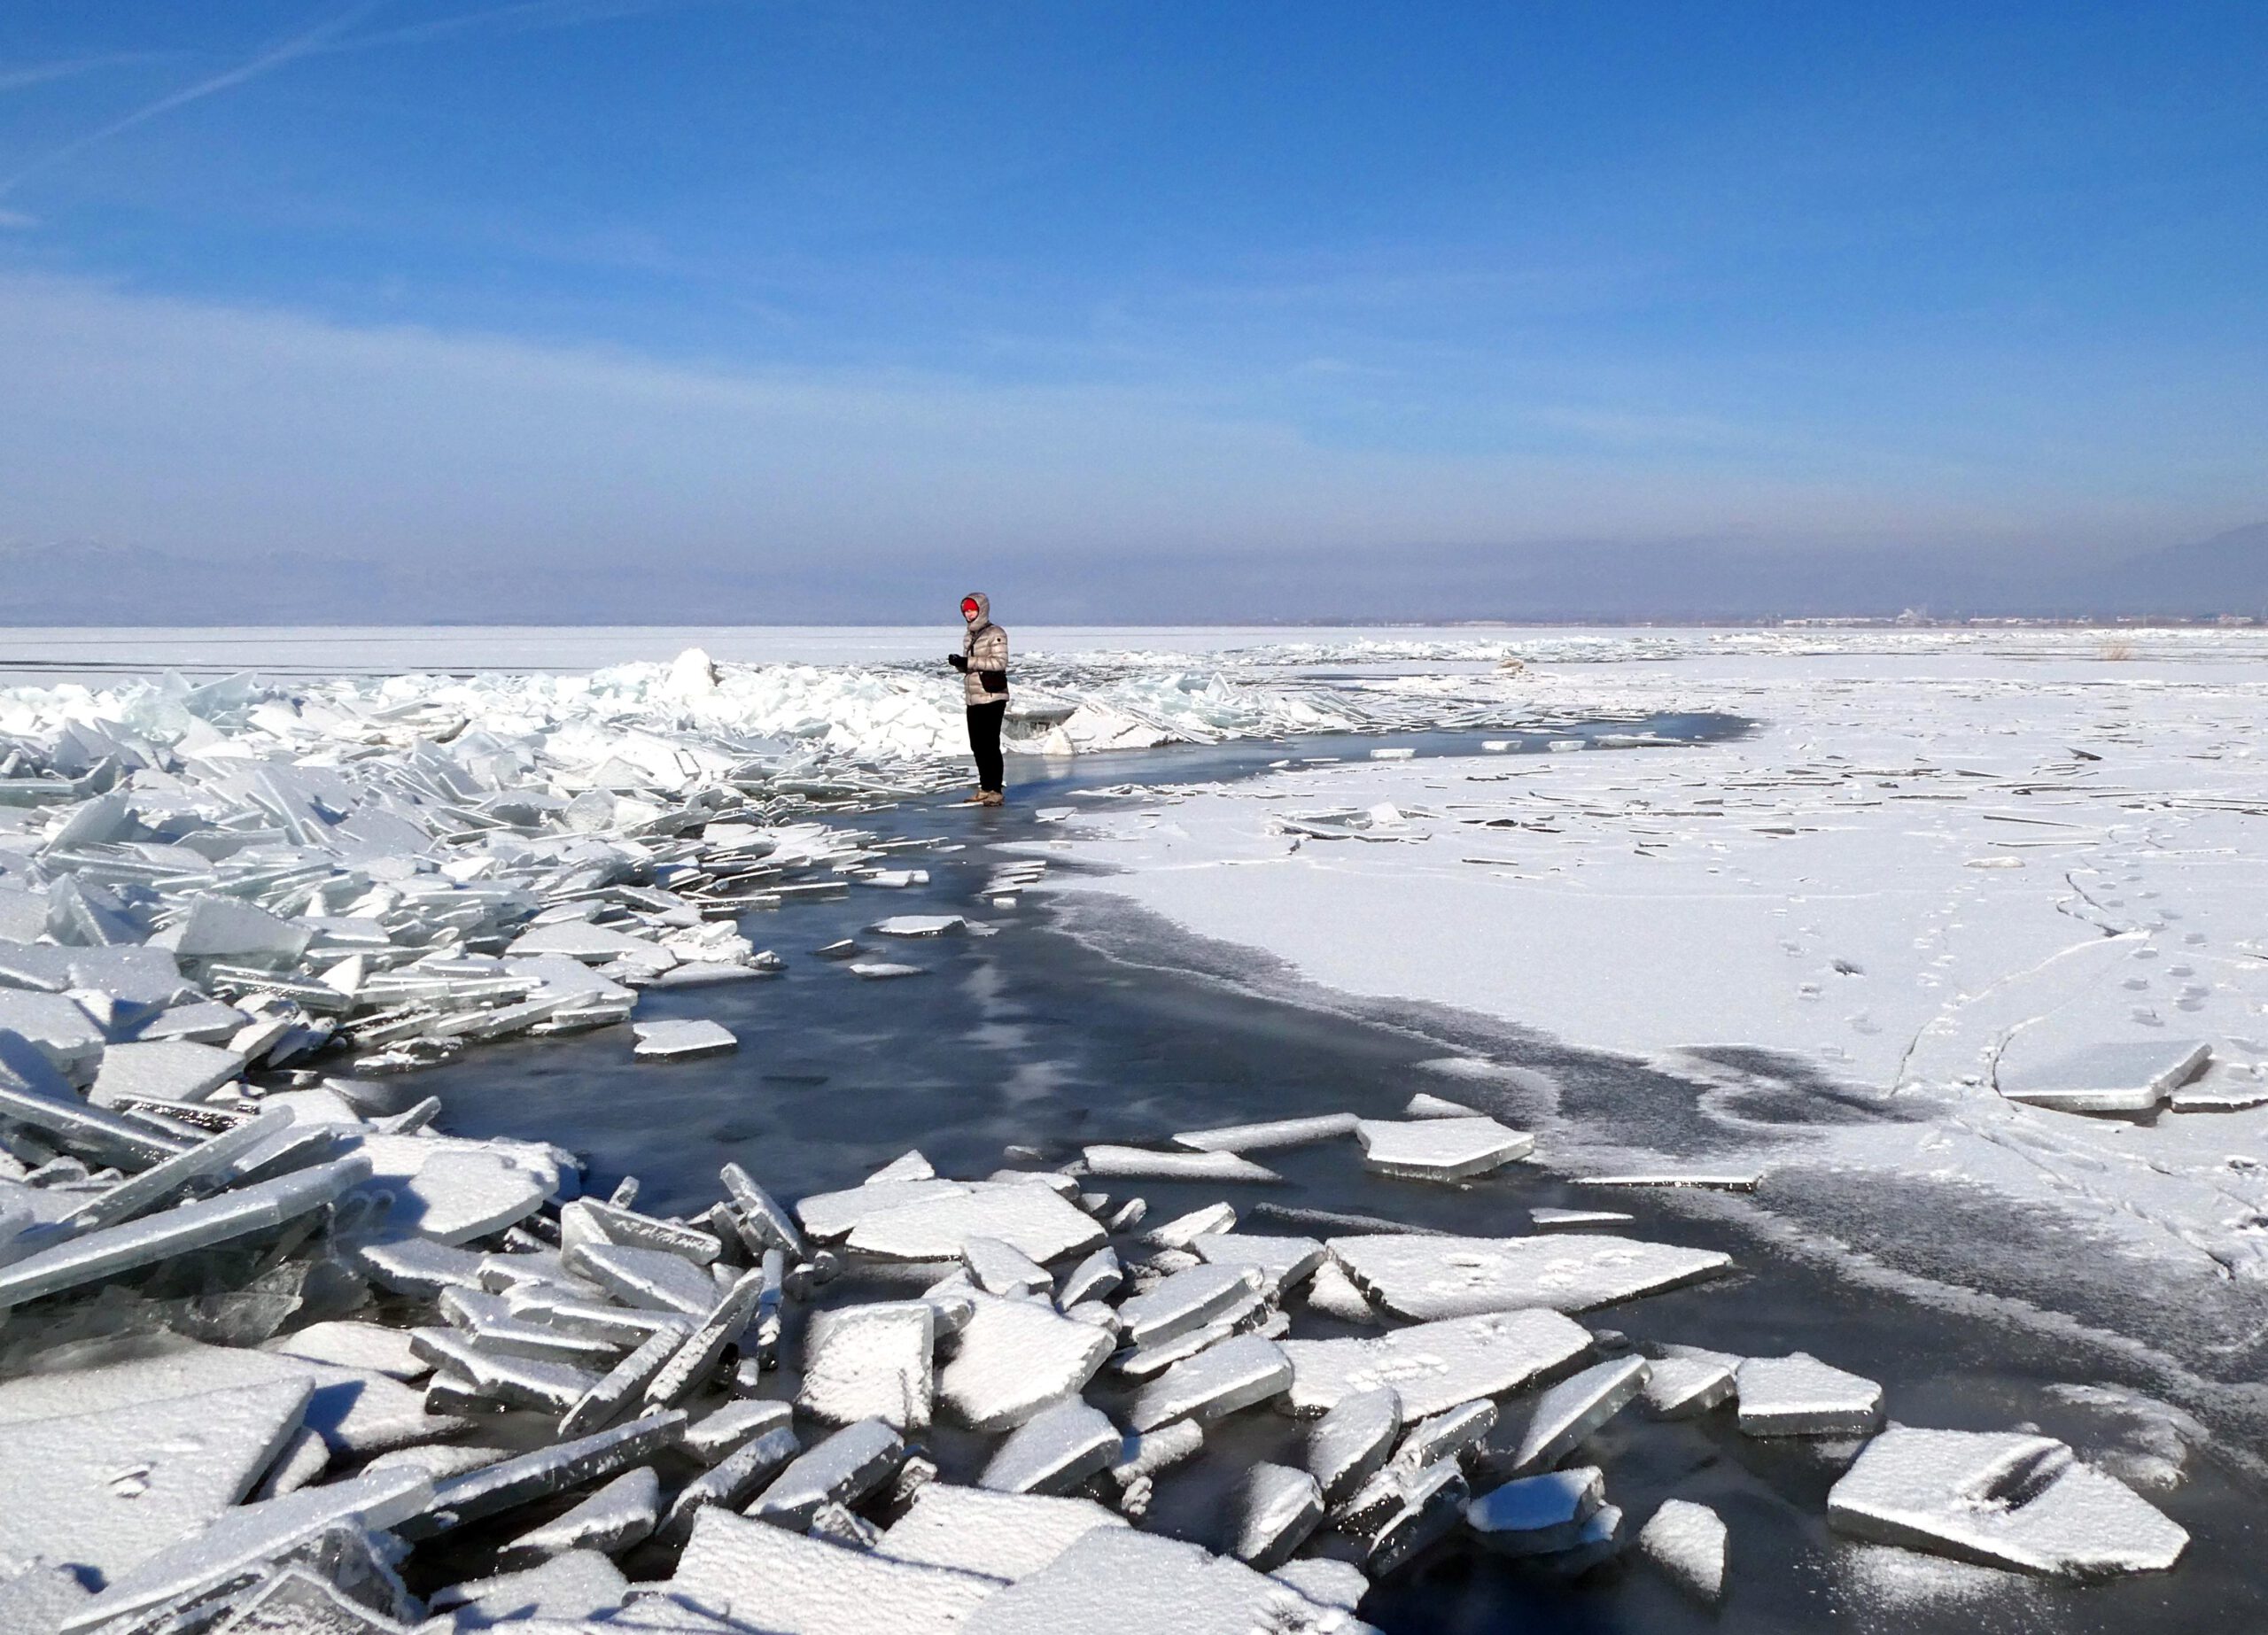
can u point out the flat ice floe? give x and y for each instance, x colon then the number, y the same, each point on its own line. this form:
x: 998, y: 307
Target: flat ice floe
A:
x: 2002, y: 1498
x: 1436, y: 1277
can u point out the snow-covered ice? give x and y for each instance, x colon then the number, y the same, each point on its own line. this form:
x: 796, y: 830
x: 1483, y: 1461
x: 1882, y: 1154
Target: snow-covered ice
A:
x: 1574, y: 1408
x: 1440, y: 1148
x: 1800, y: 1396
x: 1687, y: 1541
x: 1436, y: 1277
x: 1015, y: 1358
x: 2002, y: 1498
x: 1537, y: 1515
x: 996, y: 1535
x: 1433, y: 1366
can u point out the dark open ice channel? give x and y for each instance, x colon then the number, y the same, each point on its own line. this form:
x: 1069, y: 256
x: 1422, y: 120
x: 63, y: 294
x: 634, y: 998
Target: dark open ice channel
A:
x: 1039, y: 1038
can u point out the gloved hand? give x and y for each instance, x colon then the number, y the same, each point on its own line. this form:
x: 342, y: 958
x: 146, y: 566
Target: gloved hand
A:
x: 958, y: 661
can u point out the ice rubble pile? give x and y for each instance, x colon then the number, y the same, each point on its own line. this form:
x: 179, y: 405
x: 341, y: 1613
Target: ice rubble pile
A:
x: 638, y: 732
x: 178, y: 904
x: 918, y: 1402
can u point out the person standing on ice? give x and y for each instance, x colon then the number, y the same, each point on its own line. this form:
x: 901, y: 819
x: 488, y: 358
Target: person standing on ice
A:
x: 983, y: 662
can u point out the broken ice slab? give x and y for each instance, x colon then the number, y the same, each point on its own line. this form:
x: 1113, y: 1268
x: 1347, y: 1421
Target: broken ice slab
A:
x: 589, y: 1220
x: 620, y: 1514
x: 1282, y: 1262
x: 1095, y: 1278
x: 226, y: 928
x: 420, y: 1267
x: 2127, y: 1076
x: 1686, y: 1381
x: 1440, y: 1148
x: 1275, y: 1133
x: 871, y: 1362
x: 1400, y: 1511
x: 167, y: 1069
x: 611, y: 1397
x: 937, y: 1225
x: 1004, y: 1269
x: 567, y: 1589
x: 550, y: 1388
x: 1350, y: 1444
x: 1574, y: 1408
x: 653, y: 1278
x: 1451, y: 1434
x: 732, y: 1426
x: 108, y: 1489
x: 1271, y: 1510
x: 911, y: 1165
x: 731, y: 1482
x: 996, y: 1535
x: 840, y: 1470
x: 918, y: 925
x: 112, y: 1252
x: 1537, y: 1515
x: 1426, y: 1105
x: 1687, y: 1541
x: 1131, y: 1583
x: 356, y: 1412
x: 2002, y: 1498
x: 251, y: 1533
x: 1333, y: 1293
x: 591, y: 945
x: 1800, y: 1396
x: 295, y: 1601
x: 458, y: 1194
x: 53, y: 1024
x: 51, y: 1107
x: 689, y: 1367
x: 1725, y: 1181
x: 1185, y: 1301
x: 161, y: 1182
x: 680, y: 1041
x: 763, y: 1223
x: 350, y: 1344
x: 1053, y: 1452
x: 1578, y: 1217
x: 1182, y: 1231
x: 494, y: 1489
x: 1434, y: 1366
x: 1015, y: 1358
x: 830, y: 1215
x: 1228, y: 1377
x: 1436, y: 1277
x: 1109, y: 1160
x: 1325, y: 1582
x: 763, y: 1578
x: 884, y: 970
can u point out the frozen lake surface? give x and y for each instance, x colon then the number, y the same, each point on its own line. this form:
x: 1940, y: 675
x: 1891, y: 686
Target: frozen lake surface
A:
x: 1935, y: 956
x: 1039, y: 1039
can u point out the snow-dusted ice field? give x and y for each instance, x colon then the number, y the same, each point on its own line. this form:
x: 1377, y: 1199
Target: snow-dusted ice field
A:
x: 1423, y: 1129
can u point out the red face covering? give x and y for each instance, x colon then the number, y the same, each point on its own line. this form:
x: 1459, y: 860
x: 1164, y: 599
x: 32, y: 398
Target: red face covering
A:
x: 967, y: 608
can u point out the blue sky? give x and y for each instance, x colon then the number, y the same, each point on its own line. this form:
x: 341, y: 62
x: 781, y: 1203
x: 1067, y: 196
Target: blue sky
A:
x: 911, y: 281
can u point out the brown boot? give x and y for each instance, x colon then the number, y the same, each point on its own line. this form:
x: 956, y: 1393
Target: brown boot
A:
x: 991, y: 797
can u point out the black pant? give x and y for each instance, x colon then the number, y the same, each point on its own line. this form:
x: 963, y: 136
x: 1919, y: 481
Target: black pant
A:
x: 984, y: 742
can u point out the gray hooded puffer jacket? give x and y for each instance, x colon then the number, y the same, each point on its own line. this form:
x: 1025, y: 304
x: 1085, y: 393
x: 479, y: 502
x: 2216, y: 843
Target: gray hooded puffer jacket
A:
x: 986, y: 649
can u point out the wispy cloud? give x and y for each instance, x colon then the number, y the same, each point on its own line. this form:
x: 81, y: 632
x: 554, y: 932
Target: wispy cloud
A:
x: 25, y: 75
x: 267, y: 60
x: 17, y: 221
x: 335, y: 34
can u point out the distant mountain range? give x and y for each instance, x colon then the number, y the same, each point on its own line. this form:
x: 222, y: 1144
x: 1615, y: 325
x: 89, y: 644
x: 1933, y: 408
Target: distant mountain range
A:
x: 95, y: 584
